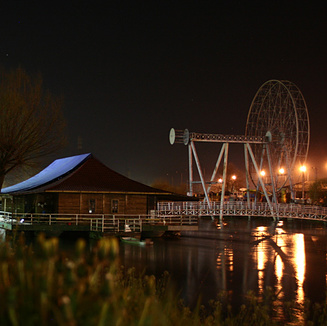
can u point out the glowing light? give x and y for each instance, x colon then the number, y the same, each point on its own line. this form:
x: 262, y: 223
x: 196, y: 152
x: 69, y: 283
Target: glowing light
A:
x: 261, y: 257
x: 299, y: 262
x: 220, y: 180
x: 279, y: 268
x: 261, y: 262
x: 279, y: 262
x: 234, y: 177
x: 262, y: 173
x: 281, y: 171
x: 303, y: 168
x: 300, y: 257
x: 261, y: 228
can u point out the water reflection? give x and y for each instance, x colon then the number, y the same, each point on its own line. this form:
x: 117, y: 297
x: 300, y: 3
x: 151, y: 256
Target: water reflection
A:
x: 299, y: 262
x: 237, y: 257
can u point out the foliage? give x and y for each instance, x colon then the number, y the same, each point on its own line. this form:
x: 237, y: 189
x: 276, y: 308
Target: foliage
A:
x: 318, y: 192
x: 31, y: 122
x: 42, y: 285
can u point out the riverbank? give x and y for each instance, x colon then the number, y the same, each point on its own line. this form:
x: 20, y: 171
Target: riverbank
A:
x: 42, y: 285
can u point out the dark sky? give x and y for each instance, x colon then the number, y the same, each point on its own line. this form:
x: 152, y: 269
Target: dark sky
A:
x: 131, y: 70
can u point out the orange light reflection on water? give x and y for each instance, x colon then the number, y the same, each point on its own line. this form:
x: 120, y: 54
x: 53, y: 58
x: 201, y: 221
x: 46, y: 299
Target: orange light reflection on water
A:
x: 279, y: 270
x: 296, y: 253
x: 299, y: 264
x: 293, y: 246
x: 262, y: 256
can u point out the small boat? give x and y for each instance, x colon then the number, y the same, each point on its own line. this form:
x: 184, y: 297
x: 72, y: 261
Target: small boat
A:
x: 135, y: 241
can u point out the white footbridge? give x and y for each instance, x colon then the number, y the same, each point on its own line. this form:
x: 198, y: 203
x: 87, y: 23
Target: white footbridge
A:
x: 241, y: 208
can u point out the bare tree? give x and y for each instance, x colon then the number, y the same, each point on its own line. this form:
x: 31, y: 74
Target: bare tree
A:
x: 31, y: 121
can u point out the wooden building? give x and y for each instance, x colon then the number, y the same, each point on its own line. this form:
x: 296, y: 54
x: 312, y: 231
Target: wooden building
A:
x: 81, y: 185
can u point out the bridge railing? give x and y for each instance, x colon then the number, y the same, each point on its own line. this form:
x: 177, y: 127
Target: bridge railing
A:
x: 99, y: 222
x: 240, y: 208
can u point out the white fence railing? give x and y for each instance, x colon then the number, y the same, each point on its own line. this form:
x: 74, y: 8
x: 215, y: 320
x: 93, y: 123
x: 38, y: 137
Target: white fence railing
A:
x: 240, y: 208
x: 169, y: 213
x: 99, y: 222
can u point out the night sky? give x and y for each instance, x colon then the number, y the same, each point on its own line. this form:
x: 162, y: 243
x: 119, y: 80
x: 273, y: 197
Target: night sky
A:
x: 131, y: 70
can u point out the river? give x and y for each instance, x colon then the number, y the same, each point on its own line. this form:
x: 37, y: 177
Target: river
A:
x: 239, y: 256
x: 236, y: 257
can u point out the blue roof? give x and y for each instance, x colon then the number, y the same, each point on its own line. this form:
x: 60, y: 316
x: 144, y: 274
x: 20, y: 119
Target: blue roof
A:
x: 54, y: 171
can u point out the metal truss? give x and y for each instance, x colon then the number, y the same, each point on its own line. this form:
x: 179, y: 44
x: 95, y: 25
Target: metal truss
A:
x: 189, y: 139
x: 185, y: 137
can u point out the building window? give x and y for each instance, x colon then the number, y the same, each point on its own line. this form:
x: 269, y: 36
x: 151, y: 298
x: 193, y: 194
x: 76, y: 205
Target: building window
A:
x: 92, y: 206
x: 114, y: 206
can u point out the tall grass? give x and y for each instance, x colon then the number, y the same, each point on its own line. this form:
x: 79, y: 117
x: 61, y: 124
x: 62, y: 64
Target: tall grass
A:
x: 42, y: 285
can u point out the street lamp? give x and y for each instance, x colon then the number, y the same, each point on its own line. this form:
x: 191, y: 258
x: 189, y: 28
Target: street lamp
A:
x: 303, y: 169
x: 263, y: 174
x: 220, y: 183
x: 233, y: 178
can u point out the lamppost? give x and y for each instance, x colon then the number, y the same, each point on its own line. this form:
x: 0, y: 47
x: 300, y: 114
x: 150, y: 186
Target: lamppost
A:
x: 281, y: 173
x: 220, y: 182
x: 220, y: 185
x: 303, y: 169
x: 283, y: 176
x: 233, y: 183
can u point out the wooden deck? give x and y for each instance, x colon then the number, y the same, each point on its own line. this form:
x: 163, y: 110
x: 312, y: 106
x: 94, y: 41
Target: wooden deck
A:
x: 169, y: 217
x: 103, y: 224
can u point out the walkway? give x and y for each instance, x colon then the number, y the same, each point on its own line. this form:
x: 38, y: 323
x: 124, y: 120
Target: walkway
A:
x: 170, y: 216
x: 240, y: 208
x: 103, y: 223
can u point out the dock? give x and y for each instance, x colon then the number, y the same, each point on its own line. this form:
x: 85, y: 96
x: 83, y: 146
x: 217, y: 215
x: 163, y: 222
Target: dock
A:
x: 99, y: 224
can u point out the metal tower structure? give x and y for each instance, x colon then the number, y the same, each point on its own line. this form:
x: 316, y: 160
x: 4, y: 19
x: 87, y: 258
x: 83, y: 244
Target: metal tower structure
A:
x: 190, y: 138
x: 276, y: 139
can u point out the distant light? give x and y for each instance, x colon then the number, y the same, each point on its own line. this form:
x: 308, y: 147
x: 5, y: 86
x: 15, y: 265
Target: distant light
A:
x: 303, y: 168
x: 281, y: 171
x: 234, y: 177
x: 263, y: 173
x: 220, y: 180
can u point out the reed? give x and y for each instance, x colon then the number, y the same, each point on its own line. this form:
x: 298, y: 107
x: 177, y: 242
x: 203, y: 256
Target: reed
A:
x: 42, y: 285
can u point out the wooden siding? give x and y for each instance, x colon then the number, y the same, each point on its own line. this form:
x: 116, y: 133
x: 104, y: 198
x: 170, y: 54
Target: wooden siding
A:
x: 136, y: 204
x: 79, y: 203
x: 69, y: 203
x: 85, y: 203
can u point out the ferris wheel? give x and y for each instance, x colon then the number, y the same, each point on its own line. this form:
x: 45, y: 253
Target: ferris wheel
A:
x: 279, y: 113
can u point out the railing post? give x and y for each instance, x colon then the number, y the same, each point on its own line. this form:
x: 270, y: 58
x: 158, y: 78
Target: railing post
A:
x: 76, y: 219
x: 50, y: 219
x: 102, y: 223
